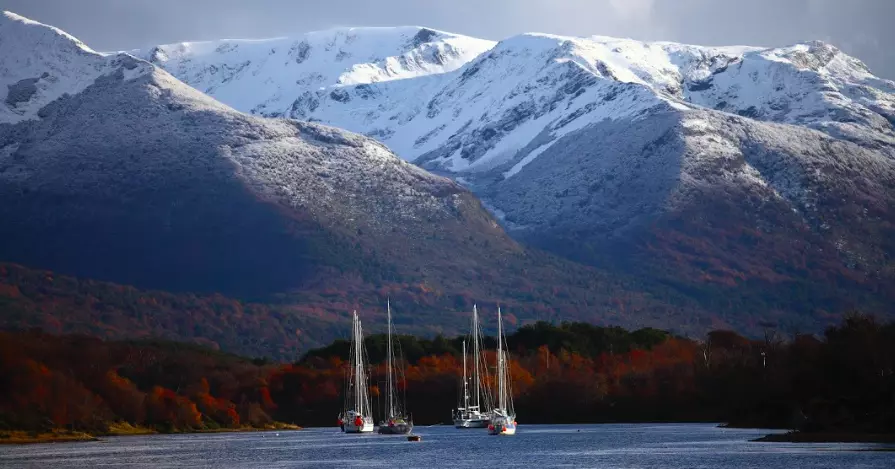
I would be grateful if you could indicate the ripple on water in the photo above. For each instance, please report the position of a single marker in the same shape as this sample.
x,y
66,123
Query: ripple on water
x,y
673,446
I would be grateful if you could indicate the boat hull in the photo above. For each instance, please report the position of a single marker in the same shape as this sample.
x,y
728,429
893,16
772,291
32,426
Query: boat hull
x,y
502,425
395,429
507,429
366,427
471,423
357,424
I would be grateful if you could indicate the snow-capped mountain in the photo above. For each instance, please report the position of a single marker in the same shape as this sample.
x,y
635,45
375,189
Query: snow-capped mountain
x,y
40,64
508,103
126,154
687,190
262,76
752,171
133,177
113,152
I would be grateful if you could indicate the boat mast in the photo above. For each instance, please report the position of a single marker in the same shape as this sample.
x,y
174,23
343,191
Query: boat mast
x,y
357,365
465,381
362,397
501,371
477,378
348,373
391,403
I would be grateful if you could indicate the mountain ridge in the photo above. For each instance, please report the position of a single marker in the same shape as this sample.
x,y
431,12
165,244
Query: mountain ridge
x,y
784,155
343,56
691,75
138,179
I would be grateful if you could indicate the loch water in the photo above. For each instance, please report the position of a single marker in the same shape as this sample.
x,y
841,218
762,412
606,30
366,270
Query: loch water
x,y
666,446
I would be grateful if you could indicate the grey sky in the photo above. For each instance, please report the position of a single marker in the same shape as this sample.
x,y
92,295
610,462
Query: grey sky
x,y
860,27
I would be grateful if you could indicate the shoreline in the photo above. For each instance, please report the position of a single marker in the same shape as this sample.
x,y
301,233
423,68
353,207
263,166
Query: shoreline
x,y
17,437
20,437
801,437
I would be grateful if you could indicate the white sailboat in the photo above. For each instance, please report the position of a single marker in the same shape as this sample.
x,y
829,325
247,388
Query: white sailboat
x,y
503,417
396,422
470,414
357,415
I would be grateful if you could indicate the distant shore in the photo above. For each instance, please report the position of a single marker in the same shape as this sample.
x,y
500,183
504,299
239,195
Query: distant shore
x,y
18,437
795,436
809,437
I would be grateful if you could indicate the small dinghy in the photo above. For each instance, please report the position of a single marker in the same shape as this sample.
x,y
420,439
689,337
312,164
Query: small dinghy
x,y
413,438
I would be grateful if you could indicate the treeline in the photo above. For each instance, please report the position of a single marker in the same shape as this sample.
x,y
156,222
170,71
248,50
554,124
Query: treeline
x,y
843,382
82,383
574,337
571,372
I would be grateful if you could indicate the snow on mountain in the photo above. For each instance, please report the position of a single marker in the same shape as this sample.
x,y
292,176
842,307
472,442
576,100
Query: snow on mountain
x,y
713,201
41,64
505,106
603,149
723,182
129,169
146,181
271,76
813,85
677,163
140,179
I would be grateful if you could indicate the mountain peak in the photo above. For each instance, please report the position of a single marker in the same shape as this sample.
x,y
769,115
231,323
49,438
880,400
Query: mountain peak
x,y
692,173
404,30
25,31
42,63
143,182
467,104
235,70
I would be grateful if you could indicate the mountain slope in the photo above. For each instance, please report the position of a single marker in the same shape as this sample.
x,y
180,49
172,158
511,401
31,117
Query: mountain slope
x,y
731,210
40,64
31,298
762,177
141,179
138,179
746,178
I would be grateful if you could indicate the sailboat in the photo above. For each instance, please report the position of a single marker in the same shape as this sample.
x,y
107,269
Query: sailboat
x,y
503,417
357,414
396,422
470,414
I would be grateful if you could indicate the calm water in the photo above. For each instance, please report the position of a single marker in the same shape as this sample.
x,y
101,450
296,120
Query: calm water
x,y
535,446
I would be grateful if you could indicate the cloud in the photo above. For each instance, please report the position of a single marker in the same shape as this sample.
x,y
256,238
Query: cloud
x,y
633,9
